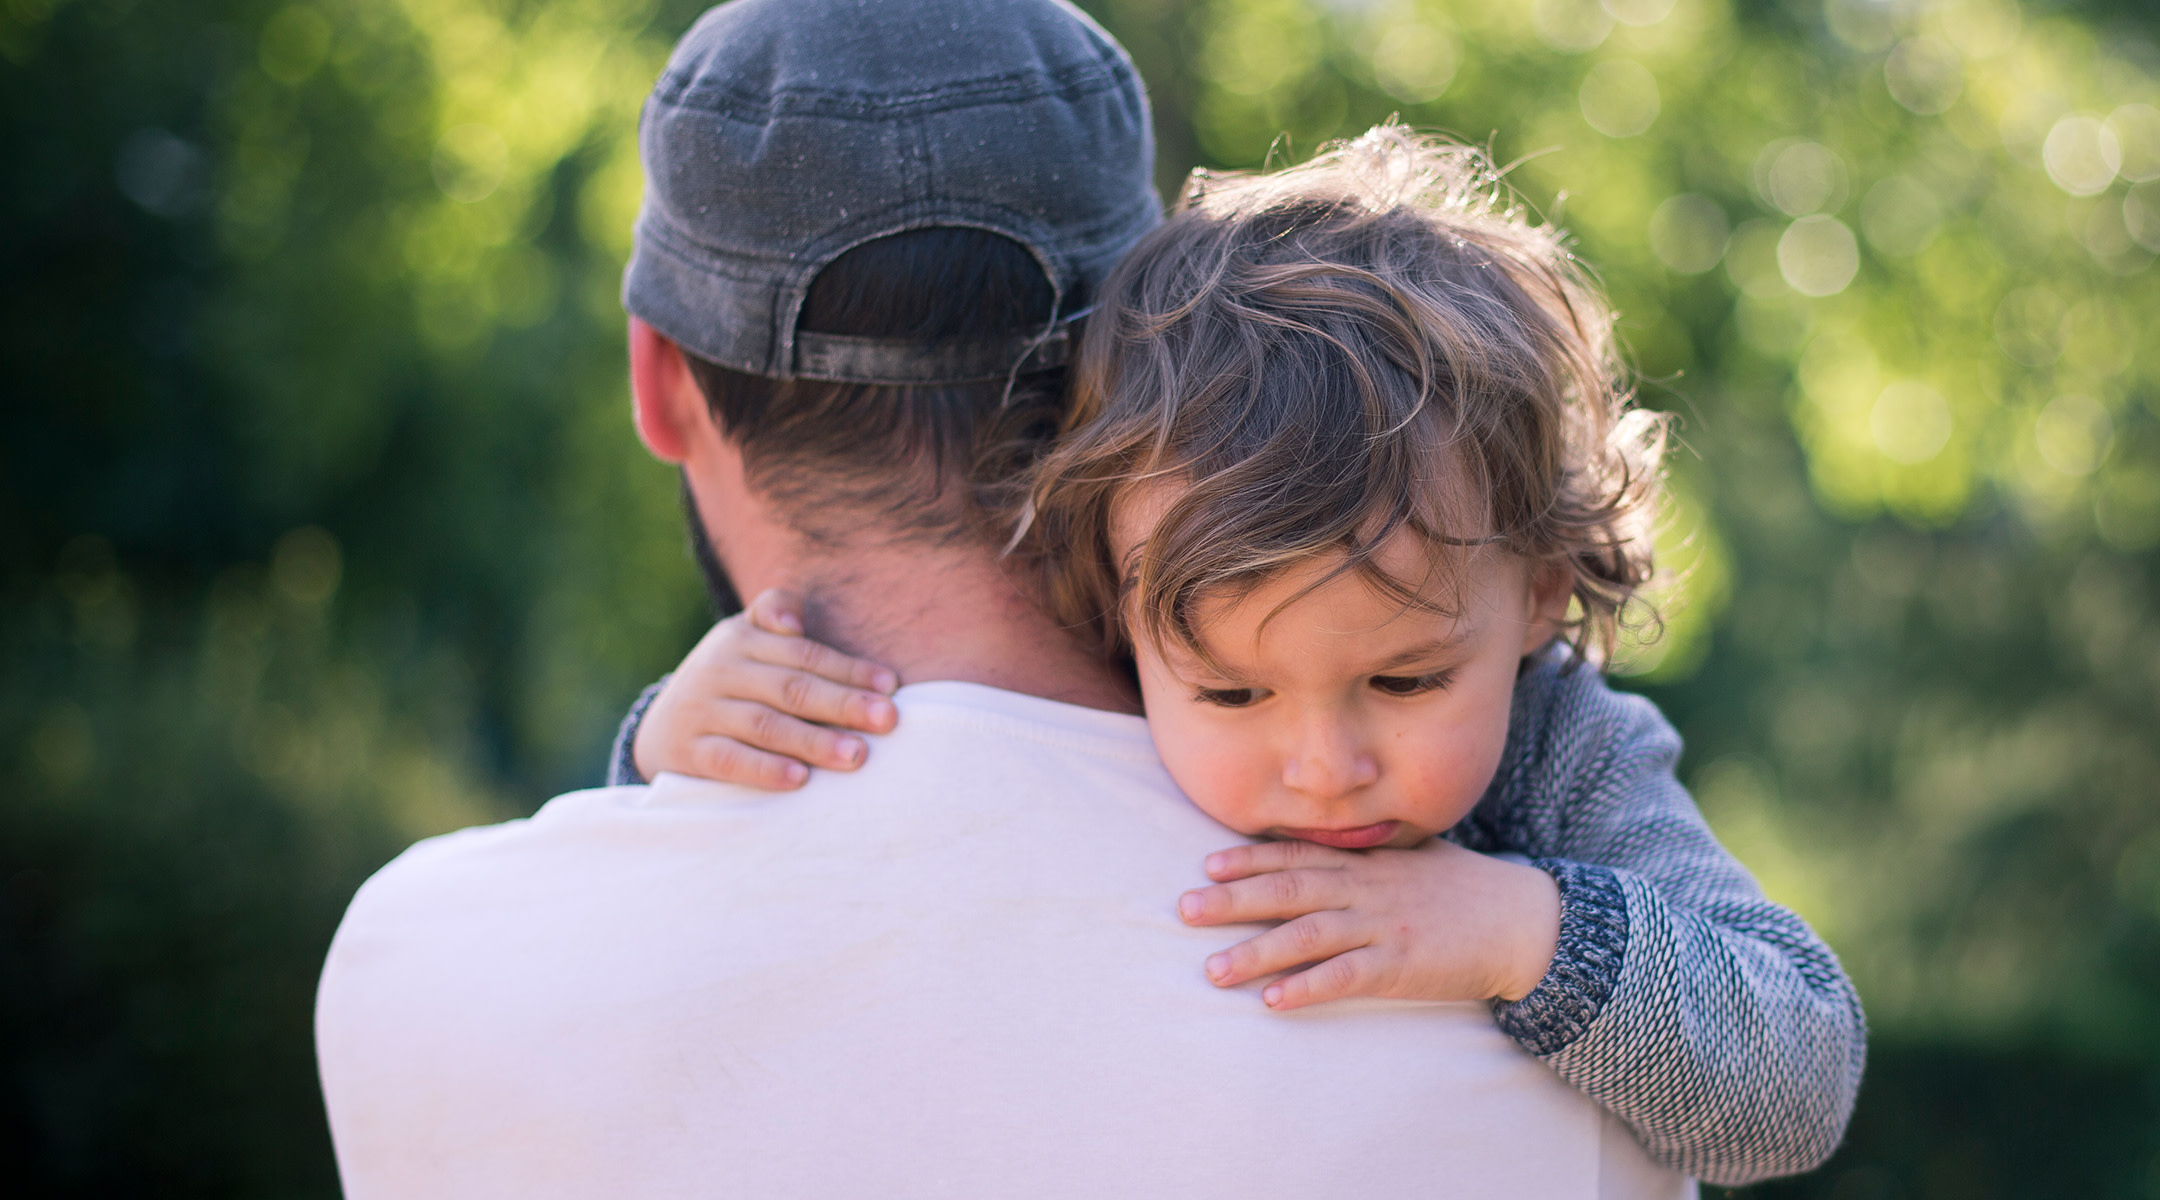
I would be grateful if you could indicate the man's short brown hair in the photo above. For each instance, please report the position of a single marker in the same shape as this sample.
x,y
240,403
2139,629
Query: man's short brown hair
x,y
930,464
1318,358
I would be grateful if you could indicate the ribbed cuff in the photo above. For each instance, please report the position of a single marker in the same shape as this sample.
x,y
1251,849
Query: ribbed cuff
x,y
1585,969
622,761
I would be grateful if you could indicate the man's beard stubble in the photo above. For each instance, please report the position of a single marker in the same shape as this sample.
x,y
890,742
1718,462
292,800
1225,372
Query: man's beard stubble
x,y
726,603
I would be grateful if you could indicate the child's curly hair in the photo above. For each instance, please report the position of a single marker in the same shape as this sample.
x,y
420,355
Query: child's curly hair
x,y
1326,355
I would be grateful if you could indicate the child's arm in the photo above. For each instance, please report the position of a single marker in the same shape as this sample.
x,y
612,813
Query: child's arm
x,y
1716,1023
751,704
1711,1020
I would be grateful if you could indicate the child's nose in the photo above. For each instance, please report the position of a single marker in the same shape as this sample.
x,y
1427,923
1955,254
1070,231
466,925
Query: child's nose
x,y
1329,765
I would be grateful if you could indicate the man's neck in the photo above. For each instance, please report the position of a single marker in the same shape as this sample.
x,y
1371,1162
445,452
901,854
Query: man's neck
x,y
926,610
943,612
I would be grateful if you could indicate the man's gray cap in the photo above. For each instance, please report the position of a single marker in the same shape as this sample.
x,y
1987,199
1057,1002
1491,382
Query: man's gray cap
x,y
785,132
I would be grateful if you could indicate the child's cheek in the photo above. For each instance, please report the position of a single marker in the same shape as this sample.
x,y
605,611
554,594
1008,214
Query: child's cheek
x,y
1205,754
1446,767
1450,787
1224,780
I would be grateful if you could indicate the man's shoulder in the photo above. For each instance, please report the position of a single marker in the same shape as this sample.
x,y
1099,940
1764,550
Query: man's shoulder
x,y
435,874
972,777
961,751
480,843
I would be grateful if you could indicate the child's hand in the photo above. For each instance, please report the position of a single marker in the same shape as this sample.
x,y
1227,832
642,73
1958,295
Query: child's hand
x,y
739,708
1435,923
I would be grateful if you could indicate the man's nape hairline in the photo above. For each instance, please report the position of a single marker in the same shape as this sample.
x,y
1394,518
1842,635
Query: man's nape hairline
x,y
927,463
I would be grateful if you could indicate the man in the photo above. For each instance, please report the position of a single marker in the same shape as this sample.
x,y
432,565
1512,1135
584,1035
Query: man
x,y
957,971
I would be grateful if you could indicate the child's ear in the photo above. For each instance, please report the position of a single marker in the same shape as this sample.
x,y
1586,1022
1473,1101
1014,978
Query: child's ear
x,y
1552,585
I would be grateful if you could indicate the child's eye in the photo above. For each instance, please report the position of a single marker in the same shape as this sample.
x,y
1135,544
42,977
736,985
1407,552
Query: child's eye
x,y
1412,685
1227,697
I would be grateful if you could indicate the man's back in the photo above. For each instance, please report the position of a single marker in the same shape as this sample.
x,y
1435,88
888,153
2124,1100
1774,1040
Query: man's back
x,y
956,972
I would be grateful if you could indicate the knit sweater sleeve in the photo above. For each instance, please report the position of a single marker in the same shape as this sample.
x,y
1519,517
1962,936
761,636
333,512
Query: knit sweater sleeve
x,y
1714,1022
622,770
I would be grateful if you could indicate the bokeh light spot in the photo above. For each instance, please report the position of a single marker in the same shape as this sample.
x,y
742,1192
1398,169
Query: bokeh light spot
x,y
1571,26
2141,215
63,746
1258,48
2137,135
2106,234
1900,216
294,43
1751,260
2081,155
1841,373
1619,98
164,175
1910,422
1981,28
1925,74
1818,256
1638,12
2099,338
1801,177
2073,433
1865,25
1688,233
1414,62
306,565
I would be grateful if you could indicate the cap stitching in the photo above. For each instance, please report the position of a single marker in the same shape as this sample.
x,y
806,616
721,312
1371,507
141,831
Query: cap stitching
x,y
719,96
1108,62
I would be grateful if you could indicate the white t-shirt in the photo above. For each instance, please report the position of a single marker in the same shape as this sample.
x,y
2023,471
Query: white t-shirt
x,y
958,972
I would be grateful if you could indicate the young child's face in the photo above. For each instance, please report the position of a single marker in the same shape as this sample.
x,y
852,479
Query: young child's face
x,y
1347,719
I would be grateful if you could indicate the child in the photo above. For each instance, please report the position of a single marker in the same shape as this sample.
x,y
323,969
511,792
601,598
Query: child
x,y
1349,476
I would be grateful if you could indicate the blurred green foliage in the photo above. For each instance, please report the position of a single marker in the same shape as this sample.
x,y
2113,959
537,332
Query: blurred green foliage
x,y
324,526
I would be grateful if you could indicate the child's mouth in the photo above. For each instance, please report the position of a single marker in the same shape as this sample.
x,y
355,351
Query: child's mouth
x,y
1364,837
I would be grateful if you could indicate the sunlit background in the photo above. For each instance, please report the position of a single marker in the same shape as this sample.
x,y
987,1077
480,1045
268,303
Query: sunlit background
x,y
325,528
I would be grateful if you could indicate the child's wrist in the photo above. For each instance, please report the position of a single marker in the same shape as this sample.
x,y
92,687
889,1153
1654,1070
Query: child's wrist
x,y
1532,935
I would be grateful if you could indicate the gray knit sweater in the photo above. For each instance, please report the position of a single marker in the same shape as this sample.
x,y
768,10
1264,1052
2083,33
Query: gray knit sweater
x,y
1715,1023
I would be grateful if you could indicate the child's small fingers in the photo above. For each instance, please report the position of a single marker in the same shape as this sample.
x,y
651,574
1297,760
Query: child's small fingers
x,y
1238,862
777,610
729,761
1358,972
763,728
1310,938
1275,896
801,694
822,660
826,702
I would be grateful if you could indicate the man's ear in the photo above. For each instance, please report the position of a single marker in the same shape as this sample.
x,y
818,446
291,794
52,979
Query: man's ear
x,y
669,405
1552,585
